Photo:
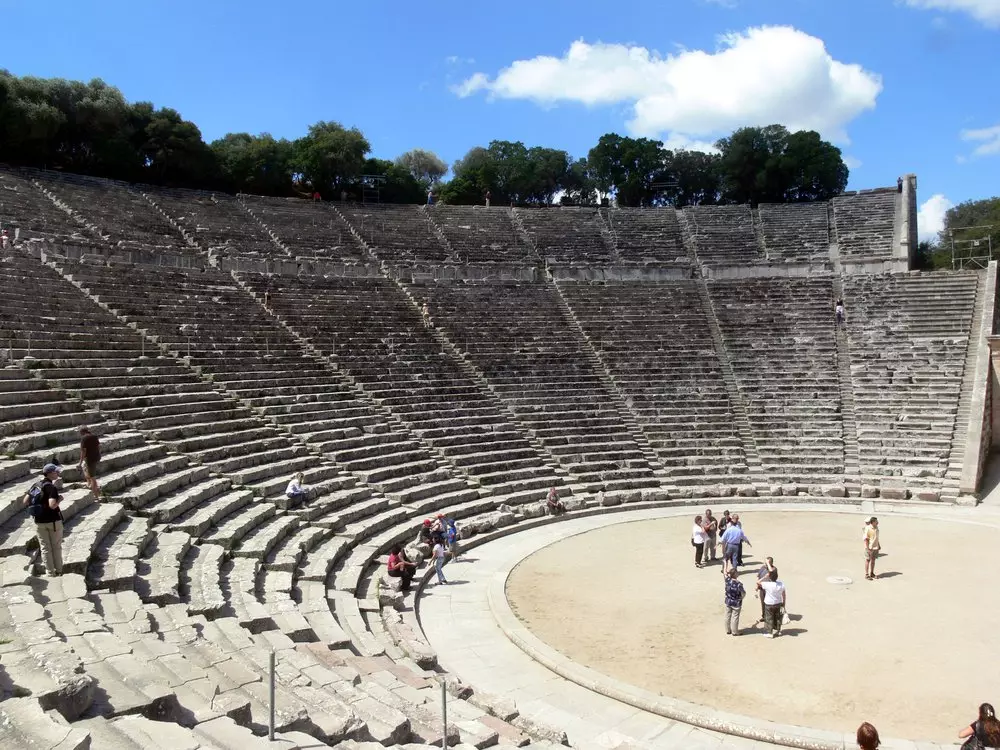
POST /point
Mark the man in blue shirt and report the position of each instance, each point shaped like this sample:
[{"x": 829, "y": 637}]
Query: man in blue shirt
[
  {"x": 734, "y": 601},
  {"x": 731, "y": 541}
]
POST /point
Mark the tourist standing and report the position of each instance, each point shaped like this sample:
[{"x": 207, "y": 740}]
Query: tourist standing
[
  {"x": 698, "y": 540},
  {"x": 489, "y": 195},
  {"x": 90, "y": 457},
  {"x": 867, "y": 737},
  {"x": 739, "y": 552},
  {"x": 438, "y": 555},
  {"x": 734, "y": 601},
  {"x": 774, "y": 603},
  {"x": 731, "y": 541},
  {"x": 452, "y": 536},
  {"x": 764, "y": 574},
  {"x": 839, "y": 312},
  {"x": 43, "y": 501},
  {"x": 711, "y": 524},
  {"x": 425, "y": 313},
  {"x": 724, "y": 522},
  {"x": 872, "y": 547},
  {"x": 984, "y": 732}
]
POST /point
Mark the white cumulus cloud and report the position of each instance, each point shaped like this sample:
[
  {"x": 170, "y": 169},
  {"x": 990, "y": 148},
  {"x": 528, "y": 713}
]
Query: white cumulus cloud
[
  {"x": 930, "y": 217},
  {"x": 987, "y": 12},
  {"x": 988, "y": 140},
  {"x": 852, "y": 162},
  {"x": 764, "y": 75}
]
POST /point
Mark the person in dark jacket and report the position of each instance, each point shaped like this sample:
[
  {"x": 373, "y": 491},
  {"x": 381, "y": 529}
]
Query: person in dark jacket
[
  {"x": 48, "y": 518},
  {"x": 90, "y": 459}
]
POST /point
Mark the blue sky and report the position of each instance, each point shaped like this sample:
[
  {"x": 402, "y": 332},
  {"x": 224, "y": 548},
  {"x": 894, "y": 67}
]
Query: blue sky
[{"x": 900, "y": 85}]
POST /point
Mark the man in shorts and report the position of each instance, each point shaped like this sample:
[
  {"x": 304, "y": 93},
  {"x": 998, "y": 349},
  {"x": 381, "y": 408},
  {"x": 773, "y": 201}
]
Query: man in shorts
[
  {"x": 90, "y": 459},
  {"x": 711, "y": 525},
  {"x": 762, "y": 575},
  {"x": 774, "y": 603},
  {"x": 872, "y": 547}
]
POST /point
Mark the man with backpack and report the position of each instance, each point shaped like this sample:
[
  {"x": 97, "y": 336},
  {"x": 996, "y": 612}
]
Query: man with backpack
[{"x": 42, "y": 502}]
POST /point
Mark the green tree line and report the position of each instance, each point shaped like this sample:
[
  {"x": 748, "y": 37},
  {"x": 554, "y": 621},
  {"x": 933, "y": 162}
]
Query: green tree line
[
  {"x": 90, "y": 128},
  {"x": 970, "y": 229}
]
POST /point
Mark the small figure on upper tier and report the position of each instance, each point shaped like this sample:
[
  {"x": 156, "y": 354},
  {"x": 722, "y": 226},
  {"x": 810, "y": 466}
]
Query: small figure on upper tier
[
  {"x": 838, "y": 310},
  {"x": 425, "y": 312}
]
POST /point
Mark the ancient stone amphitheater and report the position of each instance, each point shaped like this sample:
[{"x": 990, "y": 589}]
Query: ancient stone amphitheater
[{"x": 633, "y": 358}]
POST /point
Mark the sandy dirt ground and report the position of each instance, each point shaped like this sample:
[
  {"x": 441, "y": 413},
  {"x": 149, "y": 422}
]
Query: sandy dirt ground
[{"x": 914, "y": 652}]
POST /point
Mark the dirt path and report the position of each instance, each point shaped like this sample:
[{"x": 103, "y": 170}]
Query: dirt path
[{"x": 914, "y": 652}]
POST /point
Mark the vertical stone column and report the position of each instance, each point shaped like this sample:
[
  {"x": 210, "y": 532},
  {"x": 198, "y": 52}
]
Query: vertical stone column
[{"x": 906, "y": 223}]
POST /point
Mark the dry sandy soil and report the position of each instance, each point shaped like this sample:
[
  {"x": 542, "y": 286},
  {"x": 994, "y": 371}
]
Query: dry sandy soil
[{"x": 914, "y": 652}]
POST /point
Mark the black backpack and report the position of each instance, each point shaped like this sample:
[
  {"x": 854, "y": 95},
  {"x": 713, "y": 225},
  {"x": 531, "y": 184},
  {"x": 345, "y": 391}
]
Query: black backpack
[{"x": 36, "y": 500}]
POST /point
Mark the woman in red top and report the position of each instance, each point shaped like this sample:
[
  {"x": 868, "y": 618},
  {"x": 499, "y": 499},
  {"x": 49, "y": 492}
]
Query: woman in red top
[{"x": 400, "y": 567}]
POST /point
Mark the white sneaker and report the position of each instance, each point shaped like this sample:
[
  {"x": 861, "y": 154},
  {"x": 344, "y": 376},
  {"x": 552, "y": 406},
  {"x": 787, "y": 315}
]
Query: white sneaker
[{"x": 769, "y": 635}]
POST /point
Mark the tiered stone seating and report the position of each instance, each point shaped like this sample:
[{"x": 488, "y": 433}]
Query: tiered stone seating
[
  {"x": 376, "y": 334},
  {"x": 481, "y": 235},
  {"x": 723, "y": 234},
  {"x": 656, "y": 342},
  {"x": 25, "y": 208},
  {"x": 864, "y": 224},
  {"x": 520, "y": 337},
  {"x": 567, "y": 235},
  {"x": 646, "y": 235},
  {"x": 908, "y": 336},
  {"x": 396, "y": 232},
  {"x": 308, "y": 229},
  {"x": 215, "y": 221},
  {"x": 795, "y": 231},
  {"x": 116, "y": 211},
  {"x": 779, "y": 335}
]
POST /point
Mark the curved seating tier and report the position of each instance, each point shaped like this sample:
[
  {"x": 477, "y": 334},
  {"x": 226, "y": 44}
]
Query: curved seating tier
[
  {"x": 795, "y": 231},
  {"x": 656, "y": 342},
  {"x": 375, "y": 333},
  {"x": 908, "y": 337},
  {"x": 724, "y": 234},
  {"x": 567, "y": 235},
  {"x": 779, "y": 336},
  {"x": 481, "y": 235},
  {"x": 28, "y": 213},
  {"x": 115, "y": 211},
  {"x": 305, "y": 228},
  {"x": 214, "y": 221},
  {"x": 396, "y": 232},
  {"x": 864, "y": 224},
  {"x": 651, "y": 235},
  {"x": 520, "y": 337}
]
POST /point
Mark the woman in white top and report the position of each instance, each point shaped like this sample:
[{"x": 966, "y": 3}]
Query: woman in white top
[
  {"x": 296, "y": 490},
  {"x": 698, "y": 538}
]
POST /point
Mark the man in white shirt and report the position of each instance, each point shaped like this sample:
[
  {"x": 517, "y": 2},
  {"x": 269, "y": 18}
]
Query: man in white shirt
[
  {"x": 774, "y": 602},
  {"x": 296, "y": 491}
]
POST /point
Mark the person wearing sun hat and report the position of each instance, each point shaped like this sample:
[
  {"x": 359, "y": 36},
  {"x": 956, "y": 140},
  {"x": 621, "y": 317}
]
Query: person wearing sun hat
[{"x": 43, "y": 500}]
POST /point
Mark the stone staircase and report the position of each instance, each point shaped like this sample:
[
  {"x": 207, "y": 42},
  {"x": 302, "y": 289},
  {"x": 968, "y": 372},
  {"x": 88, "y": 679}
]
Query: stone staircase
[
  {"x": 850, "y": 426},
  {"x": 623, "y": 403},
  {"x": 437, "y": 231},
  {"x": 950, "y": 485},
  {"x": 270, "y": 232}
]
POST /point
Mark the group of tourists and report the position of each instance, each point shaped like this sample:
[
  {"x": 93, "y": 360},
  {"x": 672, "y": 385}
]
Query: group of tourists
[
  {"x": 441, "y": 534},
  {"x": 711, "y": 536},
  {"x": 44, "y": 498}
]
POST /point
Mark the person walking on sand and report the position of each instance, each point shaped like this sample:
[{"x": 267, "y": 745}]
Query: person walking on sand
[
  {"x": 711, "y": 524},
  {"x": 774, "y": 603},
  {"x": 734, "y": 601},
  {"x": 872, "y": 547},
  {"x": 698, "y": 537},
  {"x": 438, "y": 556},
  {"x": 867, "y": 737}
]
